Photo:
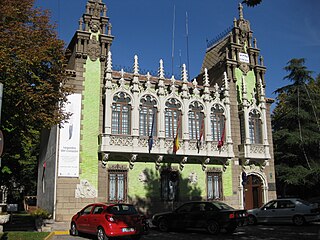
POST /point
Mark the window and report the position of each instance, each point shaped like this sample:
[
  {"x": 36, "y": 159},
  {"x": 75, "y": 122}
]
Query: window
[
  {"x": 147, "y": 116},
  {"x": 255, "y": 127},
  {"x": 214, "y": 185},
  {"x": 172, "y": 115},
  {"x": 87, "y": 210},
  {"x": 169, "y": 185},
  {"x": 121, "y": 112},
  {"x": 217, "y": 122},
  {"x": 195, "y": 120},
  {"x": 117, "y": 184},
  {"x": 98, "y": 210}
]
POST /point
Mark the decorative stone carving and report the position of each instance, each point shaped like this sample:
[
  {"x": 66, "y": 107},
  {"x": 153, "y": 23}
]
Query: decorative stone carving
[
  {"x": 105, "y": 159},
  {"x": 193, "y": 178},
  {"x": 132, "y": 160},
  {"x": 183, "y": 162},
  {"x": 94, "y": 48},
  {"x": 121, "y": 141},
  {"x": 85, "y": 190},
  {"x": 158, "y": 161},
  {"x": 244, "y": 68},
  {"x": 94, "y": 26}
]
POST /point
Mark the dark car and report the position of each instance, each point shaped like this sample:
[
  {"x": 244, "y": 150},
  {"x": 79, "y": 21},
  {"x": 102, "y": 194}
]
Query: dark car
[
  {"x": 109, "y": 220},
  {"x": 290, "y": 210},
  {"x": 212, "y": 216}
]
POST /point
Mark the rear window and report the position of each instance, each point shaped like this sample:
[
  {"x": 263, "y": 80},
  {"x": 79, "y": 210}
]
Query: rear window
[
  {"x": 122, "y": 210},
  {"x": 222, "y": 206},
  {"x": 303, "y": 202}
]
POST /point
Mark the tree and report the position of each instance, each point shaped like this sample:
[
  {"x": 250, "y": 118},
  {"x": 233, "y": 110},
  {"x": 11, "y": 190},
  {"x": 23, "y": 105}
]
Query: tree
[
  {"x": 31, "y": 69},
  {"x": 252, "y": 3},
  {"x": 296, "y": 130}
]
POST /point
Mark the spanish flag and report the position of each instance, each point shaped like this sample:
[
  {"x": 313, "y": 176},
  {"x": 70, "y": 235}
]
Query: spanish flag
[{"x": 176, "y": 144}]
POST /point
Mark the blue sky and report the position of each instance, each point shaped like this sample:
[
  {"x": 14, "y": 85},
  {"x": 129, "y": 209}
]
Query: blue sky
[{"x": 284, "y": 29}]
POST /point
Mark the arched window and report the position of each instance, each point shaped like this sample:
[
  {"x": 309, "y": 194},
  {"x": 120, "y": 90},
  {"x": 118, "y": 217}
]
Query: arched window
[
  {"x": 148, "y": 116},
  {"x": 217, "y": 119},
  {"x": 255, "y": 127},
  {"x": 196, "y": 117},
  {"x": 121, "y": 112},
  {"x": 172, "y": 115}
]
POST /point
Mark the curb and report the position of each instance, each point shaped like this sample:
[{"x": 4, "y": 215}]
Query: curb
[{"x": 52, "y": 234}]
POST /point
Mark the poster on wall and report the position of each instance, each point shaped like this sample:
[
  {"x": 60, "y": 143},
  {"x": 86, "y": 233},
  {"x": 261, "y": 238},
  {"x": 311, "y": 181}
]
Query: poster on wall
[{"x": 69, "y": 139}]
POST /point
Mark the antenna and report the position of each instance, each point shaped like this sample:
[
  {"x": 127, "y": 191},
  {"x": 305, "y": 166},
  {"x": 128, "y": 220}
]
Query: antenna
[
  {"x": 173, "y": 30},
  {"x": 187, "y": 38}
]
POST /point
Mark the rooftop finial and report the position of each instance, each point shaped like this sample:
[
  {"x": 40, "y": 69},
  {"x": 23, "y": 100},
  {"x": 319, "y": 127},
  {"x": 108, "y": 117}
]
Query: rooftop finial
[{"x": 240, "y": 11}]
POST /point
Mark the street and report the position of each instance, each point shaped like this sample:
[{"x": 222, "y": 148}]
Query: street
[{"x": 258, "y": 232}]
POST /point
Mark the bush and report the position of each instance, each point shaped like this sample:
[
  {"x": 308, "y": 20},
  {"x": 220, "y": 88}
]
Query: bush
[{"x": 41, "y": 213}]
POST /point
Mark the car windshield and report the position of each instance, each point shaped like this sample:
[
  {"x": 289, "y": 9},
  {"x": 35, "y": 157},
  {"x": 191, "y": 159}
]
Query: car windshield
[
  {"x": 222, "y": 206},
  {"x": 121, "y": 209}
]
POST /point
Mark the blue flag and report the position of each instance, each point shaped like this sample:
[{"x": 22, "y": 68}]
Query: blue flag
[{"x": 150, "y": 140}]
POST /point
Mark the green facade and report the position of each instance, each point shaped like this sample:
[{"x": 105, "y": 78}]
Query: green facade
[{"x": 90, "y": 121}]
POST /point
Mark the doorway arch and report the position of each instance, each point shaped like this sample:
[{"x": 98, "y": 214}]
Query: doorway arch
[{"x": 254, "y": 193}]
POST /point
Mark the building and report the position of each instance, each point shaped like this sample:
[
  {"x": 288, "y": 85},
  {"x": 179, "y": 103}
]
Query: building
[{"x": 156, "y": 141}]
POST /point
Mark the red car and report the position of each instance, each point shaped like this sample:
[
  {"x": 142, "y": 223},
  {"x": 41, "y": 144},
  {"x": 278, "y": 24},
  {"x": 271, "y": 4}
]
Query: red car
[{"x": 109, "y": 220}]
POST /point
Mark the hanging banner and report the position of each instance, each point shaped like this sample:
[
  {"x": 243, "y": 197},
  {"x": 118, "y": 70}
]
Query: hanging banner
[{"x": 69, "y": 140}]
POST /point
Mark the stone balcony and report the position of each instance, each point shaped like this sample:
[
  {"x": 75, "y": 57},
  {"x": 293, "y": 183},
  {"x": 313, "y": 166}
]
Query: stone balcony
[
  {"x": 254, "y": 151},
  {"x": 161, "y": 146}
]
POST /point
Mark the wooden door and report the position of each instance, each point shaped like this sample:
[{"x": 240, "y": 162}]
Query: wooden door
[{"x": 253, "y": 192}]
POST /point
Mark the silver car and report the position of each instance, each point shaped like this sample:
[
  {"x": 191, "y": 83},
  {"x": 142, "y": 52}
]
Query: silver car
[{"x": 289, "y": 210}]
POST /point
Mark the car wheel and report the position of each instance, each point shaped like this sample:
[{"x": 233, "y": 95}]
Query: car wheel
[
  {"x": 163, "y": 225},
  {"x": 101, "y": 234},
  {"x": 298, "y": 220},
  {"x": 252, "y": 220},
  {"x": 213, "y": 227},
  {"x": 73, "y": 229}
]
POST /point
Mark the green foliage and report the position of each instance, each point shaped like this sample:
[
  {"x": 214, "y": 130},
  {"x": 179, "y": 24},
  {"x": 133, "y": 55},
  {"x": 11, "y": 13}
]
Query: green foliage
[
  {"x": 24, "y": 235},
  {"x": 296, "y": 129},
  {"x": 41, "y": 213},
  {"x": 32, "y": 71}
]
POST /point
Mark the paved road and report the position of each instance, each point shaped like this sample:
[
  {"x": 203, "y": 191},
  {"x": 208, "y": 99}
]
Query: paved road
[{"x": 259, "y": 232}]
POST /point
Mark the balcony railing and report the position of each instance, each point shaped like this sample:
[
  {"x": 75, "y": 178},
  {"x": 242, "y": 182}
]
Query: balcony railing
[
  {"x": 254, "y": 151},
  {"x": 162, "y": 146}
]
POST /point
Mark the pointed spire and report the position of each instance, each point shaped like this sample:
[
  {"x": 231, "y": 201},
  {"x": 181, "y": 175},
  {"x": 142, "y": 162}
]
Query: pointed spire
[
  {"x": 184, "y": 73},
  {"x": 135, "y": 65},
  {"x": 216, "y": 91},
  {"x": 206, "y": 85},
  {"x": 173, "y": 87},
  {"x": 80, "y": 24},
  {"x": 240, "y": 11},
  {"x": 261, "y": 61},
  {"x": 122, "y": 81},
  {"x": 206, "y": 78},
  {"x": 109, "y": 62},
  {"x": 255, "y": 43},
  {"x": 148, "y": 83},
  {"x": 161, "y": 70}
]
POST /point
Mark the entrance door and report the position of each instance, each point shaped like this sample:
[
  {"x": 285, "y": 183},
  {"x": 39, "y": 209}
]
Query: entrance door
[{"x": 253, "y": 192}]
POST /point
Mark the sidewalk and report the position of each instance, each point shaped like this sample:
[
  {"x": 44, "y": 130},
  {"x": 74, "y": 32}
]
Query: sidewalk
[{"x": 56, "y": 228}]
